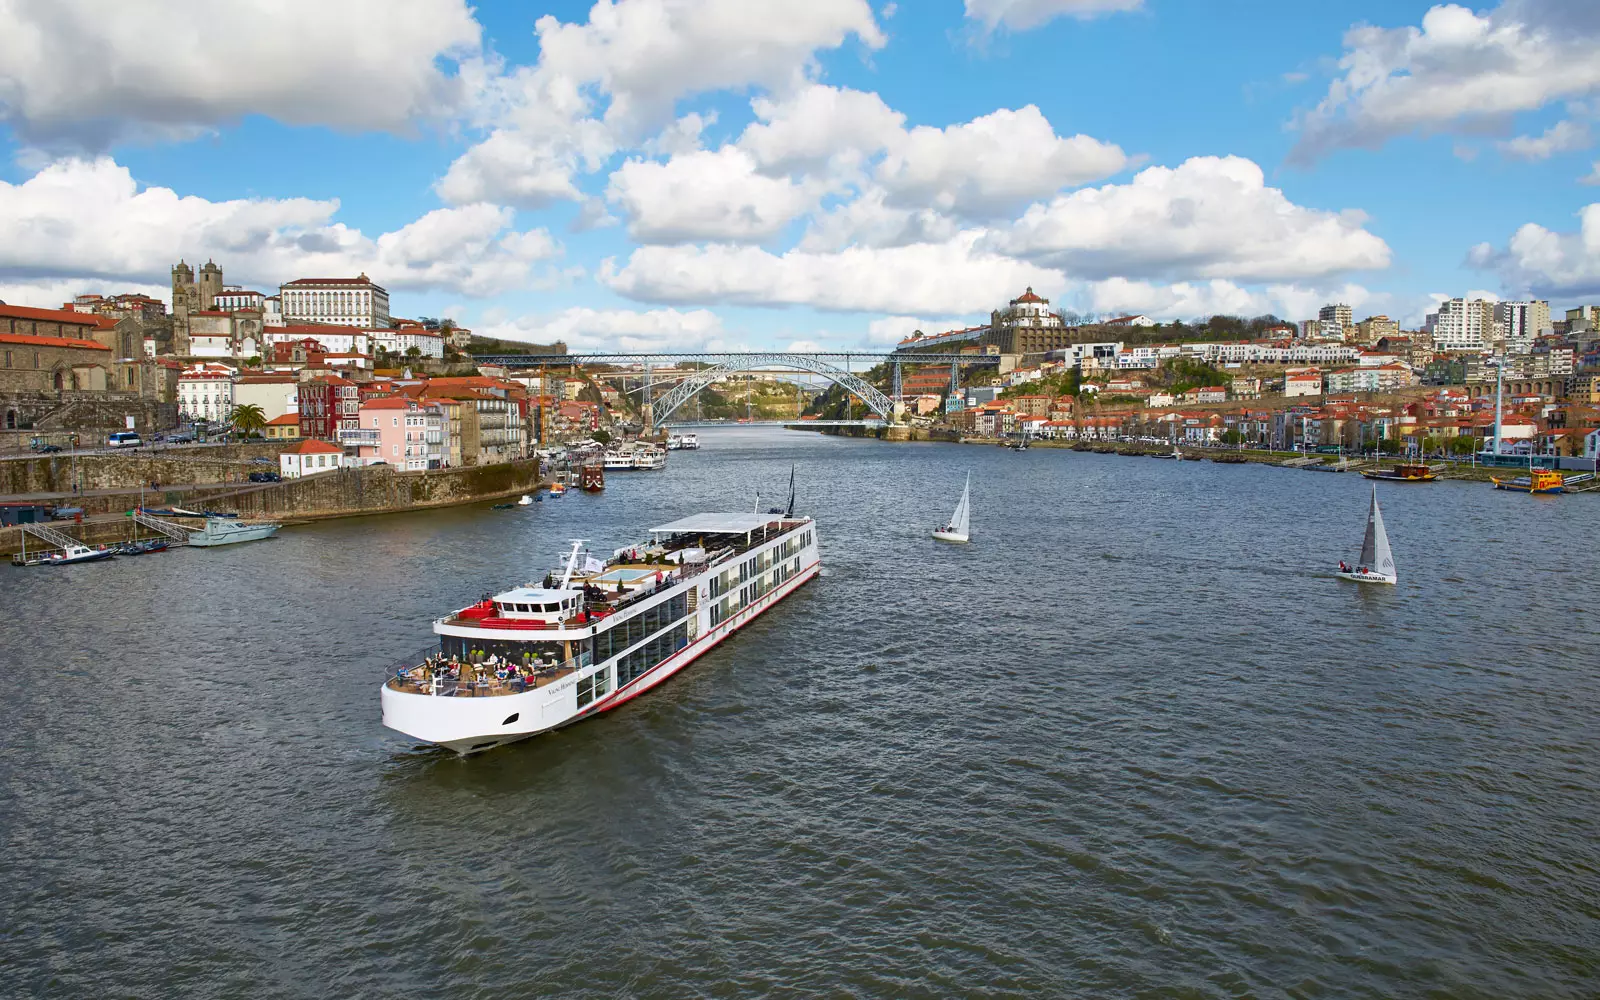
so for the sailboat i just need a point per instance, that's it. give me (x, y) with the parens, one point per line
(1377, 562)
(961, 520)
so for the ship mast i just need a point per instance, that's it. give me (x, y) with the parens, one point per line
(572, 562)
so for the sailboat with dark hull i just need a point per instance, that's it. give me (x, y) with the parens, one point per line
(1376, 564)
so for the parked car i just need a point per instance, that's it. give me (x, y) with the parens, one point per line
(182, 439)
(264, 461)
(265, 477)
(48, 449)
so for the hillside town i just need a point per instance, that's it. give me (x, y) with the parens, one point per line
(1331, 382)
(320, 365)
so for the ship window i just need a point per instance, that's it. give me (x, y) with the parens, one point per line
(513, 717)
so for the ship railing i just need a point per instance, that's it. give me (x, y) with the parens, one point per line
(405, 676)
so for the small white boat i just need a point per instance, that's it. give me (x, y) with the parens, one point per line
(221, 531)
(78, 554)
(1377, 562)
(524, 501)
(961, 520)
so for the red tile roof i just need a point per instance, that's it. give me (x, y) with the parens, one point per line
(48, 315)
(315, 448)
(29, 339)
(304, 282)
(1028, 296)
(287, 420)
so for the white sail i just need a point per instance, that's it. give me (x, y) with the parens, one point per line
(1383, 559)
(1375, 555)
(961, 520)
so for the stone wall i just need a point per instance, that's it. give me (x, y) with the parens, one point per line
(127, 470)
(378, 489)
(42, 412)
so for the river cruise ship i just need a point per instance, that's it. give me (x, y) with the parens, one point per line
(598, 632)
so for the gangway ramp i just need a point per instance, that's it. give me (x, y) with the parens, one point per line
(176, 532)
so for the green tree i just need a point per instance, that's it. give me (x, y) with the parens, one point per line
(1462, 445)
(413, 352)
(249, 419)
(1232, 437)
(602, 436)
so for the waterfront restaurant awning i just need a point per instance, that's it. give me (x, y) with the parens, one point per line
(717, 524)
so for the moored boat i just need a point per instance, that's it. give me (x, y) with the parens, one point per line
(1537, 481)
(219, 531)
(1402, 474)
(534, 658)
(592, 478)
(74, 554)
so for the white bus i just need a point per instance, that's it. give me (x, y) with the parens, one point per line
(124, 439)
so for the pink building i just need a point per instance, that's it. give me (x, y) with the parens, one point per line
(399, 431)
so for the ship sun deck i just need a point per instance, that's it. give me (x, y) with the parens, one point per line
(678, 550)
(528, 638)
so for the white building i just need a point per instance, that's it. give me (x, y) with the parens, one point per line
(1028, 309)
(332, 339)
(205, 392)
(1143, 321)
(1460, 325)
(234, 297)
(1522, 323)
(311, 457)
(1335, 319)
(356, 302)
(1302, 382)
(430, 343)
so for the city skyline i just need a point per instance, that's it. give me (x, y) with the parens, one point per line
(653, 174)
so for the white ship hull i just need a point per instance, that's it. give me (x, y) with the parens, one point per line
(474, 723)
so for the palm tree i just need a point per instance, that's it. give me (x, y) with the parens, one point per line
(249, 419)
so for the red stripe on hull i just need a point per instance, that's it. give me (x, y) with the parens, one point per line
(666, 669)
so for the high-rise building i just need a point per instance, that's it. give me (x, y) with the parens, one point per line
(1335, 322)
(1375, 328)
(357, 302)
(1521, 323)
(1460, 325)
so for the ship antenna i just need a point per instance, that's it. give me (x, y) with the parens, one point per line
(572, 562)
(790, 511)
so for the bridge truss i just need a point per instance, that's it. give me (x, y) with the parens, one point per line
(723, 364)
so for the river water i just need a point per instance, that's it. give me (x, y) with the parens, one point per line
(1133, 741)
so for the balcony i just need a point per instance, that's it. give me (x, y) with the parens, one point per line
(359, 436)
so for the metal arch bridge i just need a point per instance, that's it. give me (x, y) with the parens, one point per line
(724, 363)
(686, 390)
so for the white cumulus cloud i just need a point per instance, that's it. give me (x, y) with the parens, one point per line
(608, 82)
(1189, 300)
(1459, 71)
(1545, 262)
(1562, 137)
(585, 329)
(992, 164)
(817, 123)
(934, 278)
(1210, 217)
(84, 220)
(706, 195)
(88, 72)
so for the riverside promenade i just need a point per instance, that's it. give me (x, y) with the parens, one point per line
(377, 489)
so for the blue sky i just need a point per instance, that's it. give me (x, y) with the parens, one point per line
(686, 173)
